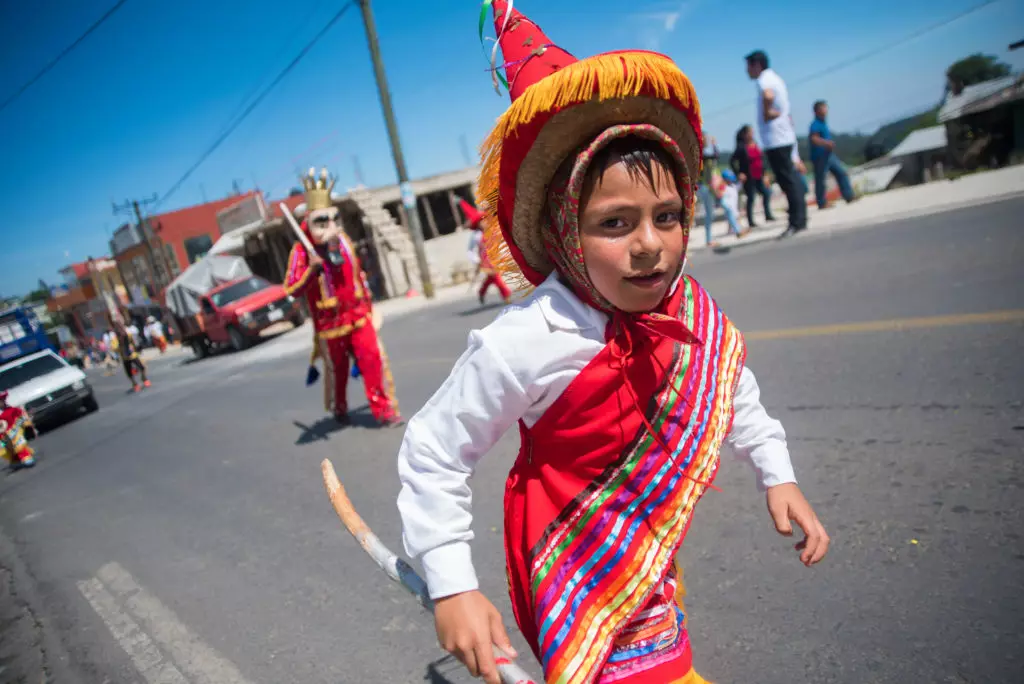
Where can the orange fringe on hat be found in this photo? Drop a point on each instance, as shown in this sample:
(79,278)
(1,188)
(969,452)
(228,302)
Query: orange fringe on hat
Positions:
(608,76)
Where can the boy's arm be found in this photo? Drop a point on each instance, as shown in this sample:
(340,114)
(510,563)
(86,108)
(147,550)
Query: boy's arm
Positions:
(478,403)
(758,438)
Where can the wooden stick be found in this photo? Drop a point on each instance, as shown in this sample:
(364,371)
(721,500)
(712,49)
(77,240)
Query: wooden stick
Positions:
(298,231)
(397,569)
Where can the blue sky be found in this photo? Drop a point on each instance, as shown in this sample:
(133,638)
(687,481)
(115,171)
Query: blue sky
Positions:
(136,103)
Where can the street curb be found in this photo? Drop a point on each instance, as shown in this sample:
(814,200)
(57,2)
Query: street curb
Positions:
(930,210)
(56,662)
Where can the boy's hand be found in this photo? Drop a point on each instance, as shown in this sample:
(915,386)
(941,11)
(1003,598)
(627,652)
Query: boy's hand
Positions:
(785,503)
(467,626)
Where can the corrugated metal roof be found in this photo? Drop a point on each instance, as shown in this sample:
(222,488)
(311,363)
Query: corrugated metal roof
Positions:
(874,179)
(921,140)
(955,104)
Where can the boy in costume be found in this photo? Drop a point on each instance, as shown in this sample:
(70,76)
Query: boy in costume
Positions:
(341,305)
(478,254)
(13,442)
(132,361)
(624,377)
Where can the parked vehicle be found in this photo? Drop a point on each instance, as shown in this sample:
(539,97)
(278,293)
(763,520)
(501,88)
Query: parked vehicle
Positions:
(219,302)
(47,386)
(237,313)
(21,333)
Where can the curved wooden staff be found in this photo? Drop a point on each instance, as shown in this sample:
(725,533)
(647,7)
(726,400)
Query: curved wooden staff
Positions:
(397,569)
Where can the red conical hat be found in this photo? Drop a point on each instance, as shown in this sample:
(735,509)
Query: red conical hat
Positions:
(473,215)
(559,104)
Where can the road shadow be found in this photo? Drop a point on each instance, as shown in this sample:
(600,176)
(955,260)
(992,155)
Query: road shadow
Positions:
(438,671)
(228,351)
(322,429)
(481,309)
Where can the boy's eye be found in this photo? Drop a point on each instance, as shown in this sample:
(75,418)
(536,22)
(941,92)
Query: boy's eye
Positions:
(668,217)
(613,222)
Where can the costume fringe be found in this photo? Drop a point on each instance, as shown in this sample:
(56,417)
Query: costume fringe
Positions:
(609,76)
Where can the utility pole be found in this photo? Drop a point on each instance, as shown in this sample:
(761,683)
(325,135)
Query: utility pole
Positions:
(357,169)
(133,205)
(408,196)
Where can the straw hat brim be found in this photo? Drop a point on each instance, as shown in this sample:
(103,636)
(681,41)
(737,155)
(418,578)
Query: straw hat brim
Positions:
(564,134)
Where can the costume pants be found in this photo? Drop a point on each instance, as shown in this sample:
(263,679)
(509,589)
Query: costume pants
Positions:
(132,366)
(791,182)
(707,200)
(363,344)
(822,167)
(495,279)
(753,187)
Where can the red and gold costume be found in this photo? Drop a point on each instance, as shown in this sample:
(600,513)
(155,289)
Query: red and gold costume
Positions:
(13,443)
(341,306)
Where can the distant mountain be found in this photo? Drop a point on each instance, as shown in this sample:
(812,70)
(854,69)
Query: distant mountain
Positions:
(886,138)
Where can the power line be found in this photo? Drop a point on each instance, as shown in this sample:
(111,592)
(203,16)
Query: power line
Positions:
(868,54)
(61,55)
(255,103)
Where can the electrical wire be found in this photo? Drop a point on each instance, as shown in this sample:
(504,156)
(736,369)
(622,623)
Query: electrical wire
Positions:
(255,103)
(61,55)
(865,55)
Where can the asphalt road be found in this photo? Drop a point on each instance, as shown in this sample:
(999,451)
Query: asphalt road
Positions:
(183,535)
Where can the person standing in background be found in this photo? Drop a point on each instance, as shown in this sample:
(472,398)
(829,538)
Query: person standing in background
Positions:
(748,164)
(825,159)
(706,190)
(778,137)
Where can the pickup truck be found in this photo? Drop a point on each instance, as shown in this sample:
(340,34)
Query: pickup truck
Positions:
(47,386)
(237,313)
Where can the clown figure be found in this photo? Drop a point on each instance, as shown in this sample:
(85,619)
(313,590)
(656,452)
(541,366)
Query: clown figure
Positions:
(13,442)
(340,303)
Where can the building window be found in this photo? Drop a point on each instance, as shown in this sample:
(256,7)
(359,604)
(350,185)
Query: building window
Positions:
(197,247)
(11,331)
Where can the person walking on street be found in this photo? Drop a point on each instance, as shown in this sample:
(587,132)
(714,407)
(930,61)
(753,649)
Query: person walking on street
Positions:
(131,358)
(477,253)
(825,159)
(747,163)
(778,137)
(706,190)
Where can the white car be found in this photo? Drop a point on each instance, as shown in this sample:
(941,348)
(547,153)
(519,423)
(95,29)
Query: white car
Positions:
(46,386)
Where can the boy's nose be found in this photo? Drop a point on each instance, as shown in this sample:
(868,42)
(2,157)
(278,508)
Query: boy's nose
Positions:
(647,242)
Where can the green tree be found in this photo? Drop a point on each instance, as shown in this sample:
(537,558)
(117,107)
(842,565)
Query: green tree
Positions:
(39,295)
(976,68)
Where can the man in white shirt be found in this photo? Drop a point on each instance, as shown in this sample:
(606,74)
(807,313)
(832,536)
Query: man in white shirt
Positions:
(778,137)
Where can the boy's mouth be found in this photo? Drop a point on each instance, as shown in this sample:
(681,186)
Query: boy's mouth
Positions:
(649,279)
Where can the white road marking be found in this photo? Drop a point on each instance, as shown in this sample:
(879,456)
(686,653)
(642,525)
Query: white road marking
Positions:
(202,663)
(139,647)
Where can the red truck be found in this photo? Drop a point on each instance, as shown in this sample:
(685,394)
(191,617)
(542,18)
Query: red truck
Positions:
(237,313)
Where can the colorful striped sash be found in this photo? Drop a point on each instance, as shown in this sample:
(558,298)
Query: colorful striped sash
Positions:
(596,508)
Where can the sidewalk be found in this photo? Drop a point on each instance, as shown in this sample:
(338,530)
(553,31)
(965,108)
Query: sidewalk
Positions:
(917,200)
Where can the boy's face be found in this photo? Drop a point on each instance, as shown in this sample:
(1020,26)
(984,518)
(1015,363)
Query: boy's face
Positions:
(632,236)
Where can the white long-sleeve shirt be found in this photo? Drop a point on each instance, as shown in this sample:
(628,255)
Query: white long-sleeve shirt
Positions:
(516,368)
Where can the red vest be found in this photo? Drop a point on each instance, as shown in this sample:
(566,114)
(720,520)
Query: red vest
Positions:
(603,491)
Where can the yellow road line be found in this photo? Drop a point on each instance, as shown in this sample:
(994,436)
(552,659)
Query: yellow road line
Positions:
(1009,316)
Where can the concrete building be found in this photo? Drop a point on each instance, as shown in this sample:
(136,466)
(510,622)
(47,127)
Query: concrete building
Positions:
(151,255)
(985,122)
(90,298)
(376,221)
